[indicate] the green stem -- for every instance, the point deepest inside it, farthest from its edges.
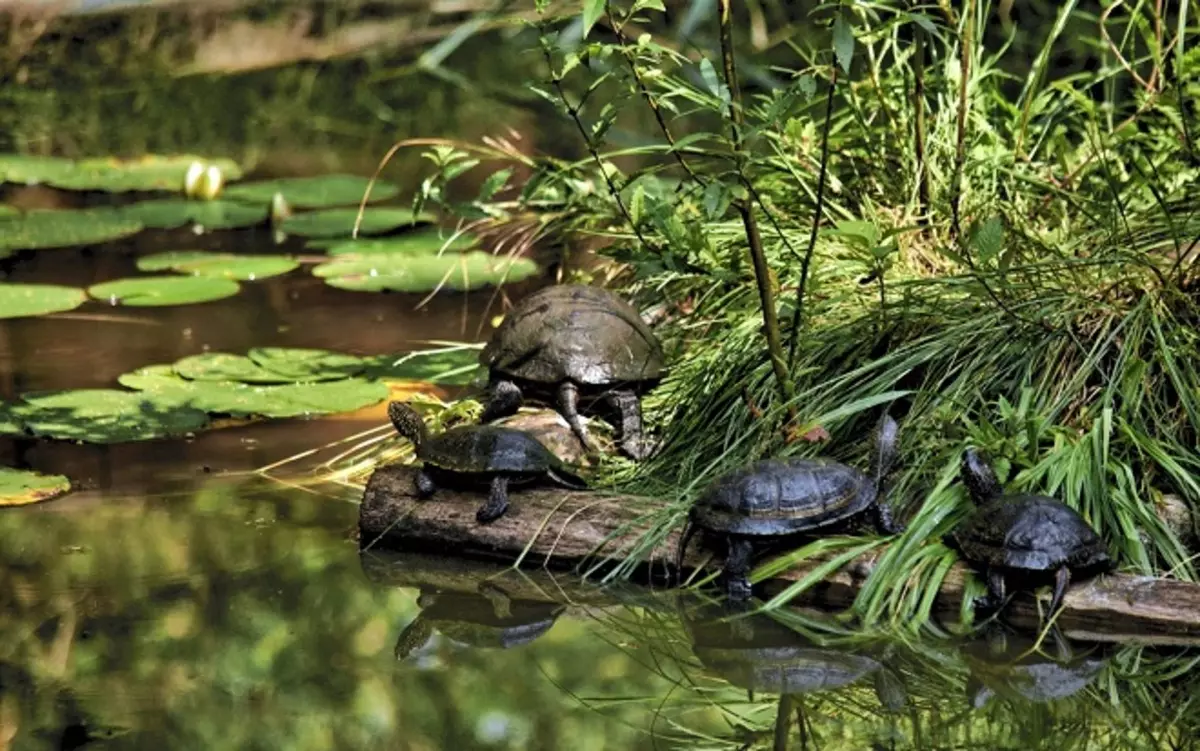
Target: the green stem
(745, 207)
(919, 120)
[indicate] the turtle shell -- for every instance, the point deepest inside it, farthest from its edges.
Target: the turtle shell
(1030, 532)
(578, 333)
(782, 496)
(487, 449)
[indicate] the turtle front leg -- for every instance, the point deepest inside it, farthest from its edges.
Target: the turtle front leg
(424, 484)
(629, 407)
(885, 522)
(504, 399)
(497, 502)
(568, 405)
(737, 569)
(1062, 578)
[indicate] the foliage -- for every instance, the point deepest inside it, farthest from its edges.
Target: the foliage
(317, 192)
(110, 175)
(326, 223)
(153, 291)
(169, 213)
(22, 300)
(375, 272)
(218, 265)
(62, 229)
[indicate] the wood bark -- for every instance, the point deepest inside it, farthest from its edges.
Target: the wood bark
(553, 528)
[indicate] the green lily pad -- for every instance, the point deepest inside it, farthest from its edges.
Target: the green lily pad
(169, 213)
(300, 365)
(451, 366)
(340, 222)
(113, 175)
(421, 242)
(244, 400)
(6, 210)
(222, 366)
(312, 192)
(20, 488)
(25, 300)
(219, 265)
(457, 271)
(164, 290)
(105, 416)
(64, 229)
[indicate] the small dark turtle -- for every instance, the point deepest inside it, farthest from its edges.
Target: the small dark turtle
(568, 341)
(779, 497)
(488, 620)
(1025, 539)
(1010, 665)
(474, 455)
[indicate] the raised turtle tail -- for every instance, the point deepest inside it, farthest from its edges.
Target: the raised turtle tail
(407, 422)
(978, 476)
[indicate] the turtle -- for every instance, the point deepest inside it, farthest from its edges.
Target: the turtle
(570, 342)
(474, 455)
(1027, 539)
(777, 497)
(487, 620)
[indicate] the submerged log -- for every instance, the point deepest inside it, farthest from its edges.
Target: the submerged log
(548, 527)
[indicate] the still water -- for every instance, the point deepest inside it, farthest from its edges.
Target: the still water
(177, 600)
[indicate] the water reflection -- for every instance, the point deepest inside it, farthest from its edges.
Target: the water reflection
(1017, 666)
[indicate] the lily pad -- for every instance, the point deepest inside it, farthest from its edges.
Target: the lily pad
(113, 175)
(421, 242)
(25, 300)
(20, 488)
(219, 265)
(244, 400)
(64, 229)
(169, 213)
(340, 222)
(451, 366)
(313, 192)
(458, 271)
(105, 416)
(150, 291)
(300, 365)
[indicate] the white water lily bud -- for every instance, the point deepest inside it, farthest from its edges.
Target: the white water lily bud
(191, 180)
(213, 182)
(280, 209)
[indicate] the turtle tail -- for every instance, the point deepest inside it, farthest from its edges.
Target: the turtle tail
(563, 475)
(407, 422)
(689, 529)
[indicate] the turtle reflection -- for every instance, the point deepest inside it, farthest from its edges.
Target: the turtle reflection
(759, 653)
(1011, 665)
(486, 619)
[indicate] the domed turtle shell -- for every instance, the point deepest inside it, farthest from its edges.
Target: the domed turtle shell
(487, 449)
(574, 332)
(1030, 532)
(781, 496)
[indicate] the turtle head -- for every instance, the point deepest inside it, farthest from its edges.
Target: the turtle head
(978, 476)
(886, 448)
(407, 422)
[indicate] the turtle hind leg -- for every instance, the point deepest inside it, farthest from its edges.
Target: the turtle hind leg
(568, 406)
(497, 502)
(424, 484)
(504, 399)
(996, 594)
(1062, 578)
(737, 569)
(629, 407)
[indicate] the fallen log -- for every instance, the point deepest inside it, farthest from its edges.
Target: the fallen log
(554, 528)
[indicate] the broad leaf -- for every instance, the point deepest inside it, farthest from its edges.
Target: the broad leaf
(340, 222)
(169, 213)
(20, 487)
(164, 290)
(64, 229)
(319, 192)
(25, 300)
(105, 416)
(463, 271)
(218, 265)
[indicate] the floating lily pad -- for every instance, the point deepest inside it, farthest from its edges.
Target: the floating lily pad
(340, 222)
(313, 192)
(105, 416)
(457, 366)
(113, 175)
(25, 300)
(421, 242)
(164, 290)
(64, 229)
(6, 210)
(244, 400)
(169, 213)
(219, 265)
(222, 366)
(20, 488)
(458, 271)
(299, 365)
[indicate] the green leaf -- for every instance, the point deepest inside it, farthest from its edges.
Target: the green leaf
(843, 43)
(221, 366)
(459, 271)
(340, 222)
(26, 300)
(300, 365)
(859, 233)
(164, 290)
(20, 488)
(421, 242)
(318, 192)
(989, 238)
(709, 74)
(807, 85)
(112, 175)
(105, 416)
(218, 265)
(493, 184)
(716, 200)
(169, 213)
(64, 229)
(592, 11)
(648, 5)
(452, 366)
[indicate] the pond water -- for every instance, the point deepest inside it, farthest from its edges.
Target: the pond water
(176, 599)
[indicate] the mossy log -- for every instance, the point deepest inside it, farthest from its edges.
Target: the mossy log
(548, 527)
